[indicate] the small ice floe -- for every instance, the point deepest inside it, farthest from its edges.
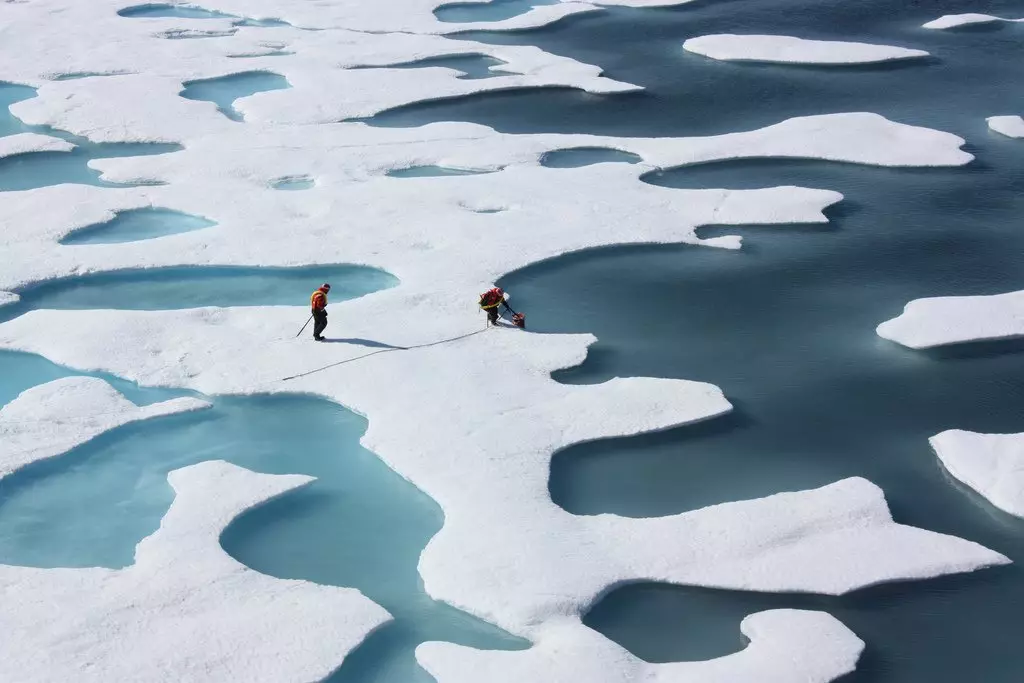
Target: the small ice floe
(991, 464)
(1010, 126)
(791, 50)
(956, 319)
(970, 19)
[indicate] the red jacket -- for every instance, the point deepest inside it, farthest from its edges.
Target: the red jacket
(318, 301)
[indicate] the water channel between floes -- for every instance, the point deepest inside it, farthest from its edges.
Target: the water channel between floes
(785, 327)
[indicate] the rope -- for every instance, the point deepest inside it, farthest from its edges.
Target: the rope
(374, 353)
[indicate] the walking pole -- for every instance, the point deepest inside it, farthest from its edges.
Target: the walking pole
(304, 326)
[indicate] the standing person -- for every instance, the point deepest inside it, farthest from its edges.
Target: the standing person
(490, 301)
(318, 303)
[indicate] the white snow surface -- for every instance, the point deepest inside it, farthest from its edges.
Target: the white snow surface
(792, 50)
(7, 298)
(991, 464)
(785, 646)
(23, 143)
(1010, 126)
(507, 553)
(185, 610)
(971, 18)
(52, 418)
(503, 534)
(938, 321)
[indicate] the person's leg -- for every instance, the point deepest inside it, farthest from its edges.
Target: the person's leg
(319, 324)
(492, 315)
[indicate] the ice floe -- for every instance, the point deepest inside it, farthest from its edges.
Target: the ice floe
(24, 143)
(7, 298)
(185, 610)
(956, 319)
(1010, 126)
(791, 50)
(52, 418)
(969, 19)
(784, 646)
(502, 532)
(991, 464)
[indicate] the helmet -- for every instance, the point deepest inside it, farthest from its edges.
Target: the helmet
(326, 287)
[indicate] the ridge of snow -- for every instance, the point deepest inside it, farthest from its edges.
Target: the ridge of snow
(792, 50)
(23, 143)
(50, 419)
(185, 609)
(937, 321)
(991, 464)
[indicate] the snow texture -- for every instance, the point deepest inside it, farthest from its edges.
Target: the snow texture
(956, 319)
(1010, 126)
(7, 298)
(52, 418)
(23, 143)
(785, 646)
(506, 553)
(790, 50)
(991, 464)
(947, 21)
(185, 610)
(502, 533)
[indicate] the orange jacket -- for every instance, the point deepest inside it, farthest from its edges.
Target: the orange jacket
(318, 301)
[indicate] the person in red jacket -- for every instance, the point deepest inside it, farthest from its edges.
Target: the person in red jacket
(490, 301)
(318, 303)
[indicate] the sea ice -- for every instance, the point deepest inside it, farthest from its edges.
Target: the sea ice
(1010, 126)
(439, 412)
(969, 19)
(25, 143)
(502, 532)
(785, 646)
(991, 464)
(791, 50)
(53, 418)
(956, 319)
(185, 610)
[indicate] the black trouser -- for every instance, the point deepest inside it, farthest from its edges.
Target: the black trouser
(319, 322)
(492, 315)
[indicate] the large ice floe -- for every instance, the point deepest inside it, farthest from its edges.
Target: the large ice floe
(991, 464)
(792, 50)
(427, 384)
(957, 319)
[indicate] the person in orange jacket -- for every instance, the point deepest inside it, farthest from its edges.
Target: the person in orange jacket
(490, 301)
(318, 303)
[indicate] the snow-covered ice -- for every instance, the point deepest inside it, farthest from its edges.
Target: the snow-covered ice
(991, 464)
(785, 646)
(50, 419)
(506, 553)
(23, 143)
(502, 532)
(971, 18)
(1010, 126)
(185, 610)
(792, 50)
(956, 319)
